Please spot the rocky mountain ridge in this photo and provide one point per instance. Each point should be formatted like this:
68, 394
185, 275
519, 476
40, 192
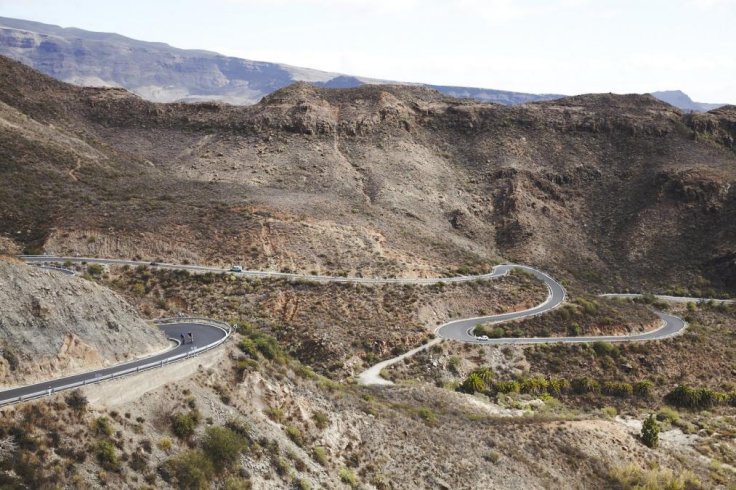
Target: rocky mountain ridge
161, 73
680, 99
612, 190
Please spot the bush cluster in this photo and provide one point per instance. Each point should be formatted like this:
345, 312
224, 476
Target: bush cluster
255, 342
106, 455
183, 424
76, 401
481, 381
698, 398
219, 449
223, 446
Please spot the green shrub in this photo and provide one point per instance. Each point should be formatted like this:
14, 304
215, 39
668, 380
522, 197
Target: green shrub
453, 364
282, 466
9, 354
102, 426
732, 398
320, 455
222, 446
667, 414
302, 484
427, 415
348, 477
235, 483
190, 469
493, 457
643, 389
275, 414
95, 270
106, 455
321, 419
610, 412
295, 435
472, 384
183, 424
590, 307
241, 428
269, 348
165, 444
632, 477
650, 432
139, 289
574, 330
485, 373
243, 365
535, 386
558, 386
248, 347
694, 398
619, 389
606, 349
585, 385
507, 387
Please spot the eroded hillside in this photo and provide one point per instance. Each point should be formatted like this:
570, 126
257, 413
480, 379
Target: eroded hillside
53, 324
618, 191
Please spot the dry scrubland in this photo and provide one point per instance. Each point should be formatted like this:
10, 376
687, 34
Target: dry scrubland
687, 381
338, 329
702, 357
606, 192
257, 419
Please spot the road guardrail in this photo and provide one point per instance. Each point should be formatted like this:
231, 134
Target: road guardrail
123, 371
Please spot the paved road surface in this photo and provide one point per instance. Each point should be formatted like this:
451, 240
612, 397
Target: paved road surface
50, 259
204, 336
672, 299
459, 330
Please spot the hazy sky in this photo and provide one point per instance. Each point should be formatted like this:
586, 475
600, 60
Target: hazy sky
555, 46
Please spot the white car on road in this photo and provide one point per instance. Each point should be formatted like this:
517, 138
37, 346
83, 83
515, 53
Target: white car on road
236, 268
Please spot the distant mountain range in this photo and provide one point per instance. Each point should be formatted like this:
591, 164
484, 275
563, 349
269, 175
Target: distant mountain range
161, 73
680, 99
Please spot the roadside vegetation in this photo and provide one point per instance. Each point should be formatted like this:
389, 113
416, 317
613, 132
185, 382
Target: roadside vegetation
581, 315
324, 325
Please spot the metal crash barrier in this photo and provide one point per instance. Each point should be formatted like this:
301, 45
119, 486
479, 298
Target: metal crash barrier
93, 378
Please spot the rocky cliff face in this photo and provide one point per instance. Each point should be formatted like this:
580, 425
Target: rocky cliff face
619, 191
53, 324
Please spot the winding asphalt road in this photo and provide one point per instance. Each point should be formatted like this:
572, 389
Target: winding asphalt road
458, 330
50, 259
205, 335
461, 329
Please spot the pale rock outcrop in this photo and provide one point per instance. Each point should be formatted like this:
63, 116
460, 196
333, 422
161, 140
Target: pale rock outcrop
52, 324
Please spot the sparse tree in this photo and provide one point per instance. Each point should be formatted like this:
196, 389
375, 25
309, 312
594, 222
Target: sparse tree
650, 432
